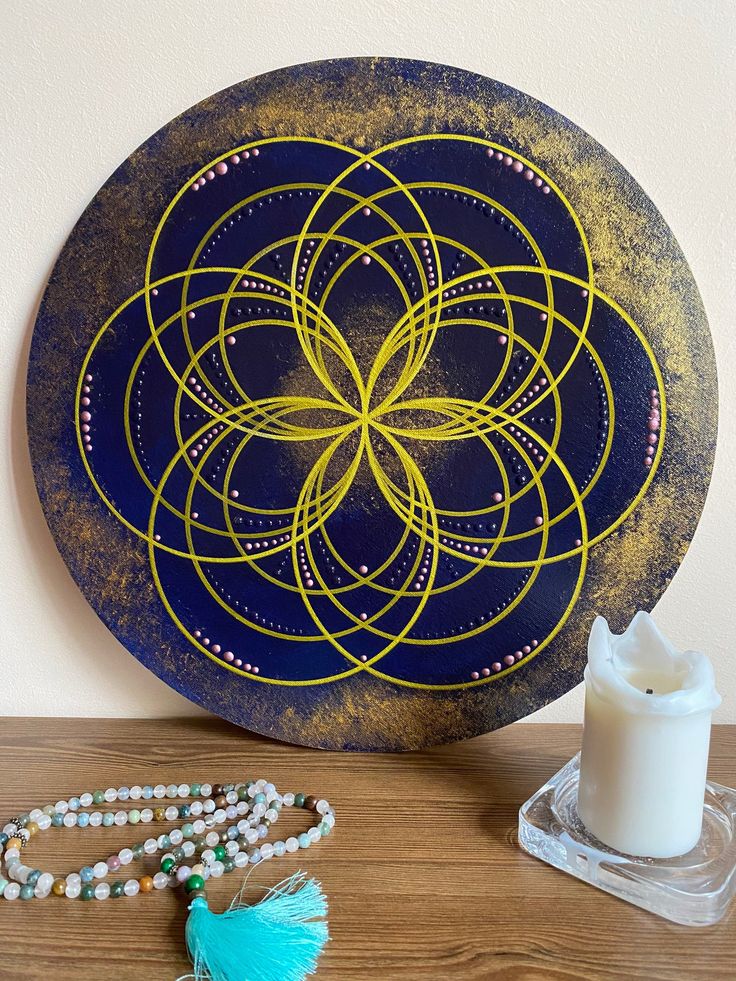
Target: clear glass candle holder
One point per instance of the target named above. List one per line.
(693, 889)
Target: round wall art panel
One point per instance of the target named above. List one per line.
(358, 390)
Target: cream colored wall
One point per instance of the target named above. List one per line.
(85, 81)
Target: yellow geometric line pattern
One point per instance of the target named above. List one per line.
(367, 419)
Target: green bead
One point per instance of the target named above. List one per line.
(178, 854)
(194, 882)
(195, 789)
(184, 811)
(117, 889)
(26, 892)
(228, 864)
(165, 842)
(99, 797)
(324, 829)
(299, 800)
(138, 850)
(87, 893)
(220, 853)
(23, 819)
(199, 843)
(275, 805)
(167, 865)
(57, 820)
(242, 793)
(33, 877)
(134, 816)
(3, 884)
(227, 787)
(108, 819)
(187, 830)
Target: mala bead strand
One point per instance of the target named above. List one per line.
(254, 806)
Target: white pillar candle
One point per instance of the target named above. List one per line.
(645, 741)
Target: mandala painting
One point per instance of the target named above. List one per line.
(358, 390)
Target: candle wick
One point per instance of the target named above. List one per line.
(650, 691)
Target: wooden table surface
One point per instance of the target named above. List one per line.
(424, 877)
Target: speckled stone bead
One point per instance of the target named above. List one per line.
(87, 893)
(98, 796)
(26, 892)
(299, 800)
(117, 889)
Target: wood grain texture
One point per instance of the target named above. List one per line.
(424, 876)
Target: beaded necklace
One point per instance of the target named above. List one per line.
(287, 923)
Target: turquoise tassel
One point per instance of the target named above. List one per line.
(278, 939)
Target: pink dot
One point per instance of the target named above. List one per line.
(366, 260)
(88, 378)
(578, 543)
(193, 454)
(206, 641)
(498, 497)
(542, 316)
(210, 175)
(245, 155)
(85, 416)
(195, 186)
(583, 293)
(537, 181)
(545, 189)
(248, 546)
(363, 616)
(496, 666)
(228, 656)
(255, 669)
(85, 401)
(534, 643)
(489, 152)
(230, 340)
(366, 211)
(502, 339)
(363, 569)
(85, 427)
(484, 551)
(157, 538)
(197, 633)
(216, 648)
(154, 292)
(366, 166)
(538, 520)
(221, 168)
(517, 166)
(474, 675)
(652, 439)
(363, 658)
(88, 447)
(526, 649)
(529, 174)
(234, 494)
(485, 672)
(191, 315)
(509, 659)
(238, 663)
(235, 159)
(508, 160)
(195, 515)
(309, 583)
(647, 461)
(498, 155)
(255, 151)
